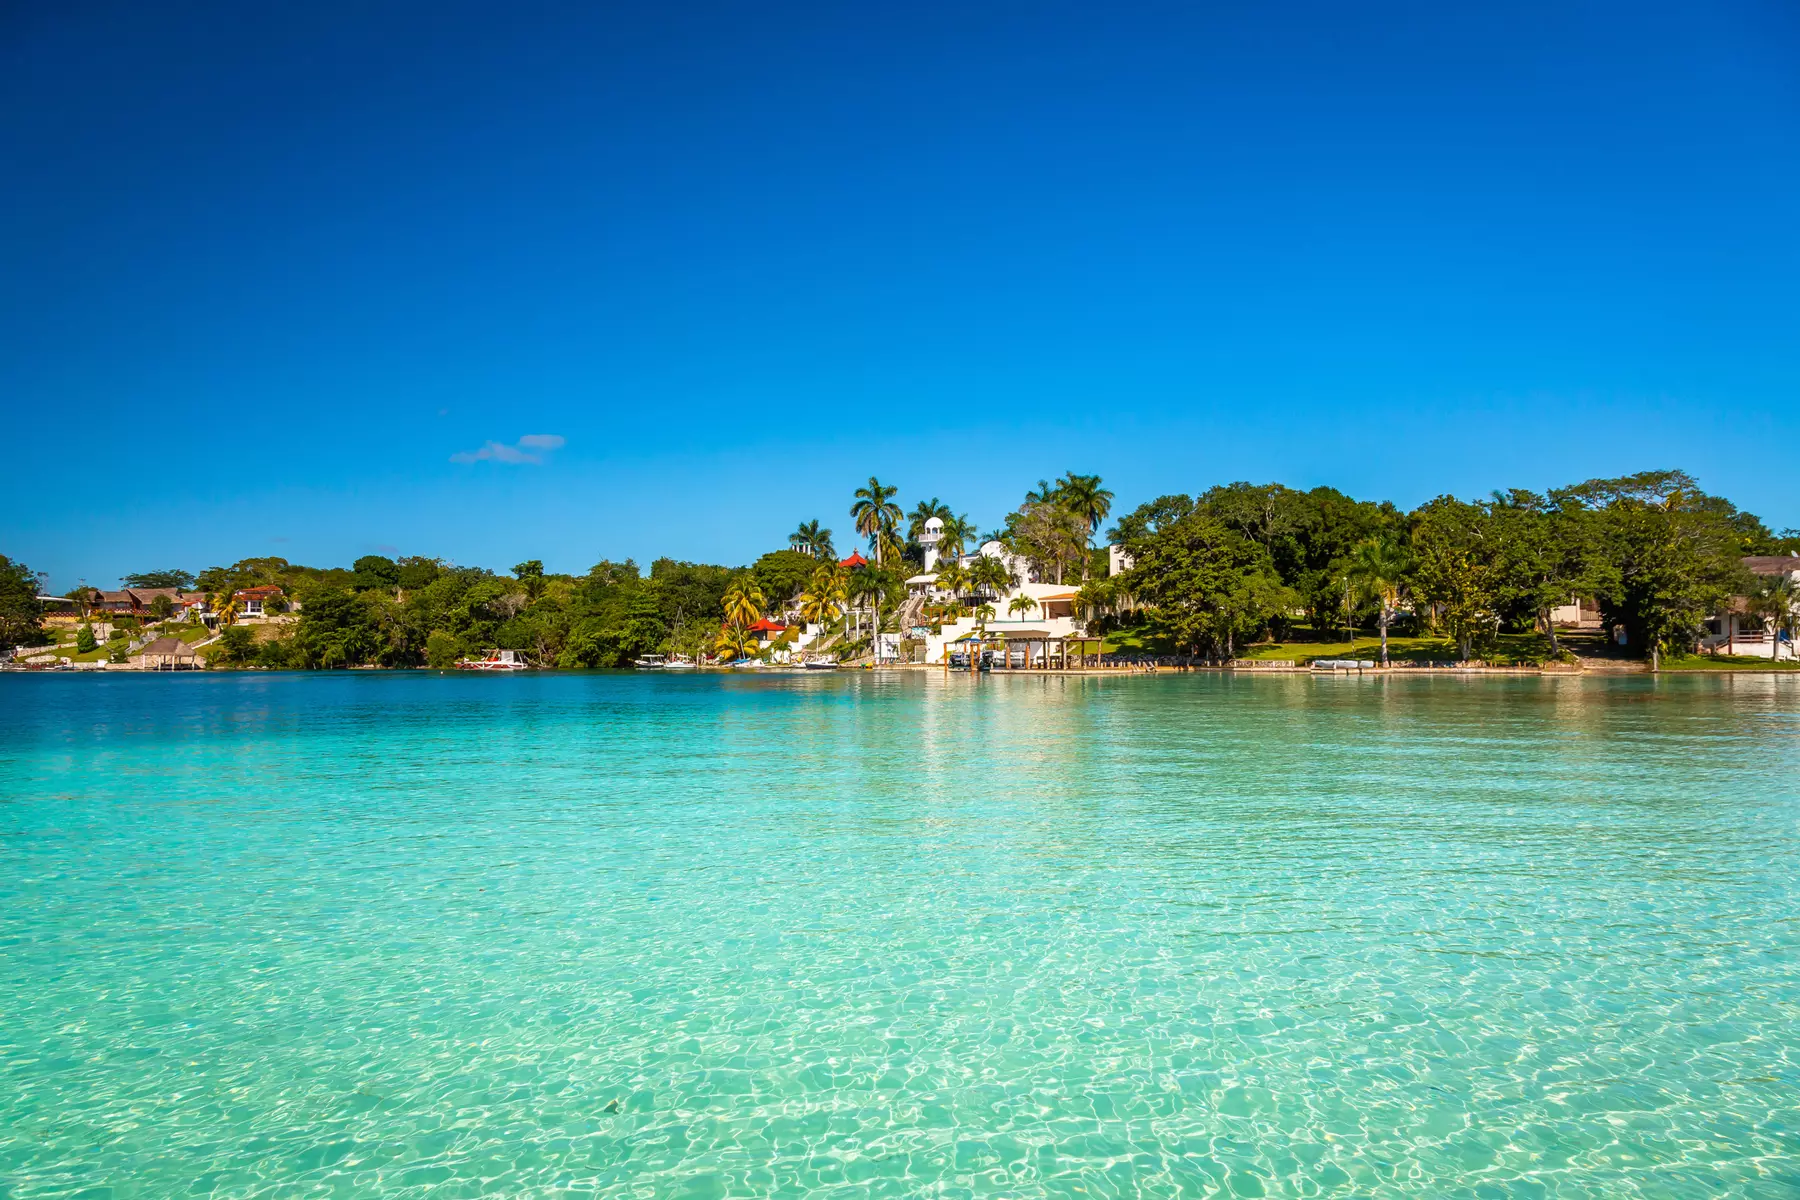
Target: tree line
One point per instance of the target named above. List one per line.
(1211, 574)
(1654, 552)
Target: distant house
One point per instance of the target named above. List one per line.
(137, 602)
(257, 602)
(1581, 612)
(767, 630)
(1738, 631)
(113, 604)
(855, 560)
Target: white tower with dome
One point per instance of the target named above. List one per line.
(931, 537)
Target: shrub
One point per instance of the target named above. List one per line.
(441, 650)
(85, 641)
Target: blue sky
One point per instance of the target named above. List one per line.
(299, 282)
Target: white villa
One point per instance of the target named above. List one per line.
(1739, 632)
(1050, 616)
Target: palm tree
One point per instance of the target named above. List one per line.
(1021, 604)
(1083, 496)
(957, 532)
(869, 586)
(733, 642)
(1379, 565)
(983, 615)
(953, 578)
(812, 538)
(1046, 493)
(823, 597)
(1777, 602)
(991, 575)
(924, 511)
(875, 513)
(743, 605)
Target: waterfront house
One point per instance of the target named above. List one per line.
(1736, 630)
(255, 603)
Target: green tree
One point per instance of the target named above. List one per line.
(812, 539)
(336, 629)
(411, 574)
(161, 608)
(1777, 602)
(1211, 586)
(181, 581)
(1021, 604)
(1050, 536)
(442, 650)
(236, 648)
(876, 515)
(782, 574)
(530, 575)
(1453, 571)
(1083, 496)
(1669, 556)
(85, 641)
(374, 572)
(991, 576)
(923, 512)
(21, 612)
(1379, 567)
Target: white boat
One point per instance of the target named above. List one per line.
(679, 663)
(820, 664)
(497, 660)
(651, 662)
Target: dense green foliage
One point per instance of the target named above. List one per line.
(21, 612)
(181, 580)
(1211, 574)
(1656, 553)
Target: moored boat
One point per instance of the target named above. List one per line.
(496, 660)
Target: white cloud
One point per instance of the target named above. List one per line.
(529, 449)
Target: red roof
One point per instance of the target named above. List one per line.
(855, 560)
(767, 626)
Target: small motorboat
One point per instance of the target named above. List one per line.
(496, 660)
(679, 663)
(820, 664)
(651, 662)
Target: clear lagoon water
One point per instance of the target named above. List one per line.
(897, 935)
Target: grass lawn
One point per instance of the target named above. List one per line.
(1727, 662)
(1513, 649)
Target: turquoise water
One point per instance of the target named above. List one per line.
(413, 935)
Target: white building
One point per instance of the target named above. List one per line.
(1051, 611)
(1737, 631)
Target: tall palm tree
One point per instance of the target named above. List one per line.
(991, 575)
(1777, 602)
(1046, 493)
(824, 596)
(734, 642)
(812, 538)
(744, 605)
(875, 513)
(953, 578)
(957, 532)
(868, 587)
(1083, 496)
(1021, 604)
(1379, 566)
(923, 512)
